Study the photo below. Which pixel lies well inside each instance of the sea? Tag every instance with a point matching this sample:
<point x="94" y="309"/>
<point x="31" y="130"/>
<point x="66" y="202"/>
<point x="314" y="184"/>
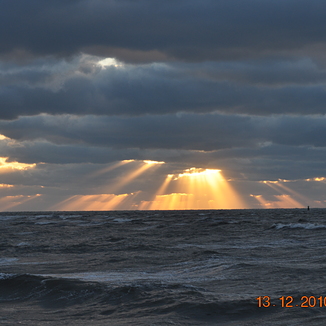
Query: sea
<point x="192" y="267"/>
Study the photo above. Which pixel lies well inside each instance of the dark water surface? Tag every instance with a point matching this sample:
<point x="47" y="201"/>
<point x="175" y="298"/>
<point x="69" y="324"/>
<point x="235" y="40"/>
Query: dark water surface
<point x="163" y="267"/>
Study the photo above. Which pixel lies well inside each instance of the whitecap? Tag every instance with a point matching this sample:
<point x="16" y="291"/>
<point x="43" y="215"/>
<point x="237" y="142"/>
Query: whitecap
<point x="307" y="226"/>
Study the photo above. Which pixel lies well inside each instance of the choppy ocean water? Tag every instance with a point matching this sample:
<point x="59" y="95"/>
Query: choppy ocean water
<point x="163" y="267"/>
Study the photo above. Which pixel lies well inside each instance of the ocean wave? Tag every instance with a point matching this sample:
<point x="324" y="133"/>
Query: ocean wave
<point x="307" y="226"/>
<point x="21" y="287"/>
<point x="134" y="299"/>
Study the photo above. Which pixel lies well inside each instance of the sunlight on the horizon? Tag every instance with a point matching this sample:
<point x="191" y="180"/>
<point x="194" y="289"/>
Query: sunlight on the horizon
<point x="92" y="202"/>
<point x="111" y="200"/>
<point x="286" y="194"/>
<point x="282" y="201"/>
<point x="195" y="189"/>
<point x="192" y="189"/>
<point x="4" y="165"/>
<point x="9" y="202"/>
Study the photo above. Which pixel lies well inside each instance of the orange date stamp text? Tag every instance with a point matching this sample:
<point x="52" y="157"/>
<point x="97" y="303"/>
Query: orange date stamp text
<point x="290" y="302"/>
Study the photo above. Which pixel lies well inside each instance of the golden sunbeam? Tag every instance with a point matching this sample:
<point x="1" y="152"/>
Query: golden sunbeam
<point x="109" y="168"/>
<point x="170" y="202"/>
<point x="9" y="202"/>
<point x="92" y="202"/>
<point x="263" y="202"/>
<point x="284" y="201"/>
<point x="288" y="201"/>
<point x="304" y="199"/>
<point x="153" y="162"/>
<point x="110" y="201"/>
<point x="197" y="189"/>
<point x="145" y="165"/>
<point x="4" y="165"/>
<point x="160" y="191"/>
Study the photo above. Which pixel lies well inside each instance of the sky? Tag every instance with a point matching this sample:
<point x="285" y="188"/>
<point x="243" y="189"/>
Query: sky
<point x="146" y="104"/>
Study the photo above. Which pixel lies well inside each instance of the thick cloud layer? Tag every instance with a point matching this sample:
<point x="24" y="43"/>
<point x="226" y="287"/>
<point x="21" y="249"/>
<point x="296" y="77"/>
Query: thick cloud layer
<point x="187" y="131"/>
<point x="87" y="86"/>
<point x="183" y="30"/>
<point x="232" y="85"/>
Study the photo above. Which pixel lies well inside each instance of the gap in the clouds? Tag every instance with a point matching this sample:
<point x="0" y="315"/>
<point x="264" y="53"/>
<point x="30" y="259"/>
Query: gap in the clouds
<point x="6" y="165"/>
<point x="194" y="188"/>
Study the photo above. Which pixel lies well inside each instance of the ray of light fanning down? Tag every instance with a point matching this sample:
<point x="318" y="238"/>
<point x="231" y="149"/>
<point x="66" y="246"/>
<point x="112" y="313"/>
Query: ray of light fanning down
<point x="288" y="194"/>
<point x="110" y="200"/>
<point x="281" y="201"/>
<point x="92" y="202"/>
<point x="143" y="166"/>
<point x="9" y="202"/>
<point x="195" y="189"/>
<point x="169" y="202"/>
<point x="109" y="168"/>
<point x="6" y="166"/>
<point x="262" y="202"/>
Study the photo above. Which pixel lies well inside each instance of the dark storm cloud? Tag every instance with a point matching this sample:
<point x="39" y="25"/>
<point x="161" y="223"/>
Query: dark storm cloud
<point x="186" y="131"/>
<point x="187" y="30"/>
<point x="232" y="85"/>
<point x="83" y="86"/>
<point x="271" y="162"/>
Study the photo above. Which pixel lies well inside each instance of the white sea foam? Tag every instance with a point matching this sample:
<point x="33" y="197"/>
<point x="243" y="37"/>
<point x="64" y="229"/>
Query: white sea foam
<point x="121" y="220"/>
<point x="46" y="222"/>
<point x="9" y="217"/>
<point x="4" y="276"/>
<point x="23" y="244"/>
<point x="307" y="226"/>
<point x="7" y="261"/>
<point x="43" y="216"/>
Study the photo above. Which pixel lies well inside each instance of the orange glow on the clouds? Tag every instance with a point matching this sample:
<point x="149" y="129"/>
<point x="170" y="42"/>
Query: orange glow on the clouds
<point x="318" y="179"/>
<point x="2" y="137"/>
<point x="153" y="162"/>
<point x="196" y="189"/>
<point x="4" y="165"/>
<point x="4" y="185"/>
<point x="192" y="189"/>
<point x="193" y="172"/>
